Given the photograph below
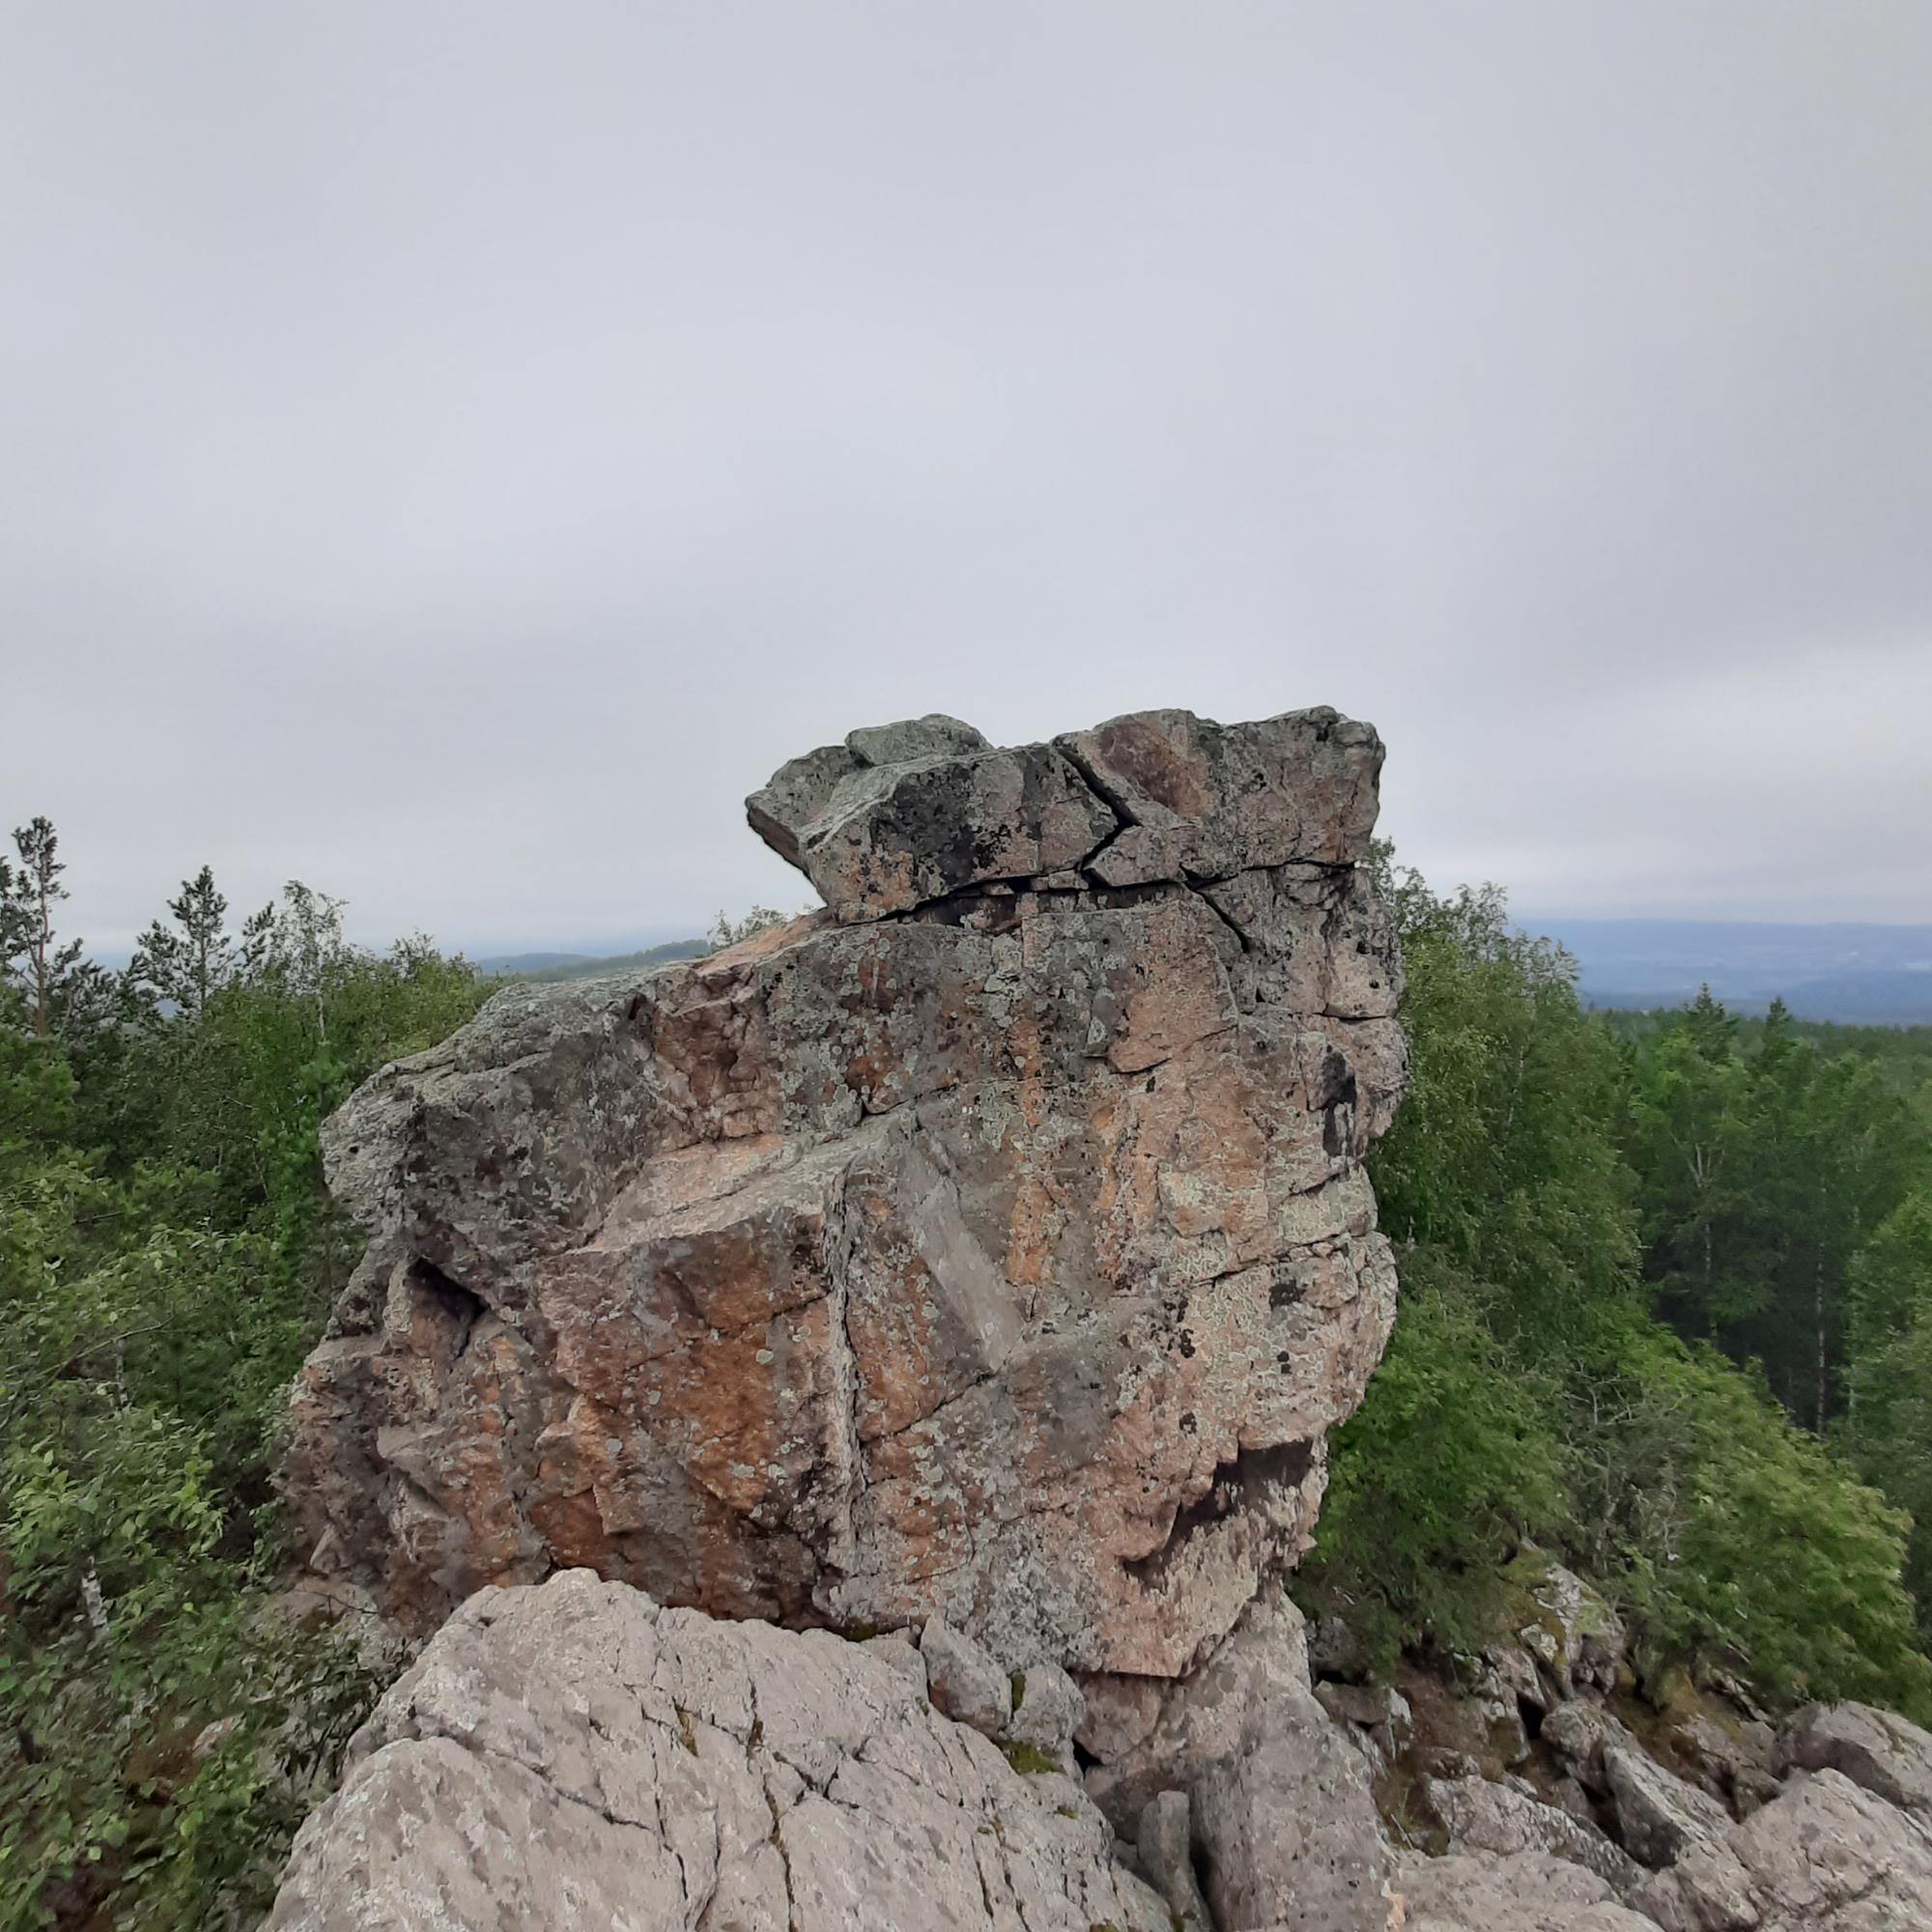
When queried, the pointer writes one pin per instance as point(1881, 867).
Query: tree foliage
point(1888, 1427)
point(166, 1258)
point(1555, 1185)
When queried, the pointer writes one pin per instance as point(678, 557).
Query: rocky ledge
point(994, 1242)
point(575, 1755)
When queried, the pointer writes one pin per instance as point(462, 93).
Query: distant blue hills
point(1856, 975)
point(586, 965)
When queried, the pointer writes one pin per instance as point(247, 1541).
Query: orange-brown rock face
point(994, 1242)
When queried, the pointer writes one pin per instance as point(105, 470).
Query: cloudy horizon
point(452, 458)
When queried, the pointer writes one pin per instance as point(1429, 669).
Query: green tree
point(1439, 1476)
point(64, 993)
point(166, 1258)
point(1529, 1390)
point(729, 931)
point(1889, 1415)
point(186, 961)
point(1760, 1174)
point(1891, 1275)
point(1687, 1116)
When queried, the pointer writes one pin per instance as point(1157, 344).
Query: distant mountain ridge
point(1852, 973)
point(585, 965)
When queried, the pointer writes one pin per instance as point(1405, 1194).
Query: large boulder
point(1567, 1625)
point(1479, 1814)
point(1824, 1855)
point(890, 837)
point(1886, 1753)
point(1659, 1815)
point(1827, 1856)
point(994, 1243)
point(572, 1756)
point(1522, 1891)
point(1284, 1830)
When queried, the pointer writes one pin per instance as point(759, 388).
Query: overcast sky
point(452, 453)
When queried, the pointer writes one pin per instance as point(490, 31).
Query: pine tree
point(188, 961)
point(64, 994)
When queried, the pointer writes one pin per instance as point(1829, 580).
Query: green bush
point(1438, 1475)
point(167, 1255)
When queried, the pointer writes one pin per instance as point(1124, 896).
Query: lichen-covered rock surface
point(994, 1242)
point(573, 1755)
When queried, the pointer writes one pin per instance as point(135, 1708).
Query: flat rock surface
point(1524, 1893)
point(1827, 1856)
point(994, 1243)
point(1483, 1816)
point(575, 1756)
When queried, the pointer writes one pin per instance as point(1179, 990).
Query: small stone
point(963, 1680)
point(1164, 1840)
point(1576, 1733)
point(895, 1648)
point(210, 1737)
point(1047, 1709)
point(1334, 1651)
point(1365, 1704)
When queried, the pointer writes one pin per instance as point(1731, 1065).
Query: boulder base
point(575, 1756)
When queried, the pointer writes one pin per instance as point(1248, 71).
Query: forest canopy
point(1663, 1285)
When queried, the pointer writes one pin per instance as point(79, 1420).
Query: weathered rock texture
point(1823, 1857)
point(1524, 1891)
point(1840, 1844)
point(1888, 1754)
point(1283, 1825)
point(1479, 1815)
point(993, 1244)
point(575, 1756)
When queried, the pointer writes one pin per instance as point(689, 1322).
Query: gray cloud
point(452, 454)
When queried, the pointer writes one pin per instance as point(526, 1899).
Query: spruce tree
point(188, 961)
point(60, 990)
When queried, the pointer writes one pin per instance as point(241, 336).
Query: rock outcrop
point(1840, 1844)
point(1576, 1639)
point(1886, 1755)
point(1824, 1855)
point(1479, 1814)
point(1283, 1828)
point(1524, 1891)
point(994, 1243)
point(975, 1267)
point(573, 1755)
